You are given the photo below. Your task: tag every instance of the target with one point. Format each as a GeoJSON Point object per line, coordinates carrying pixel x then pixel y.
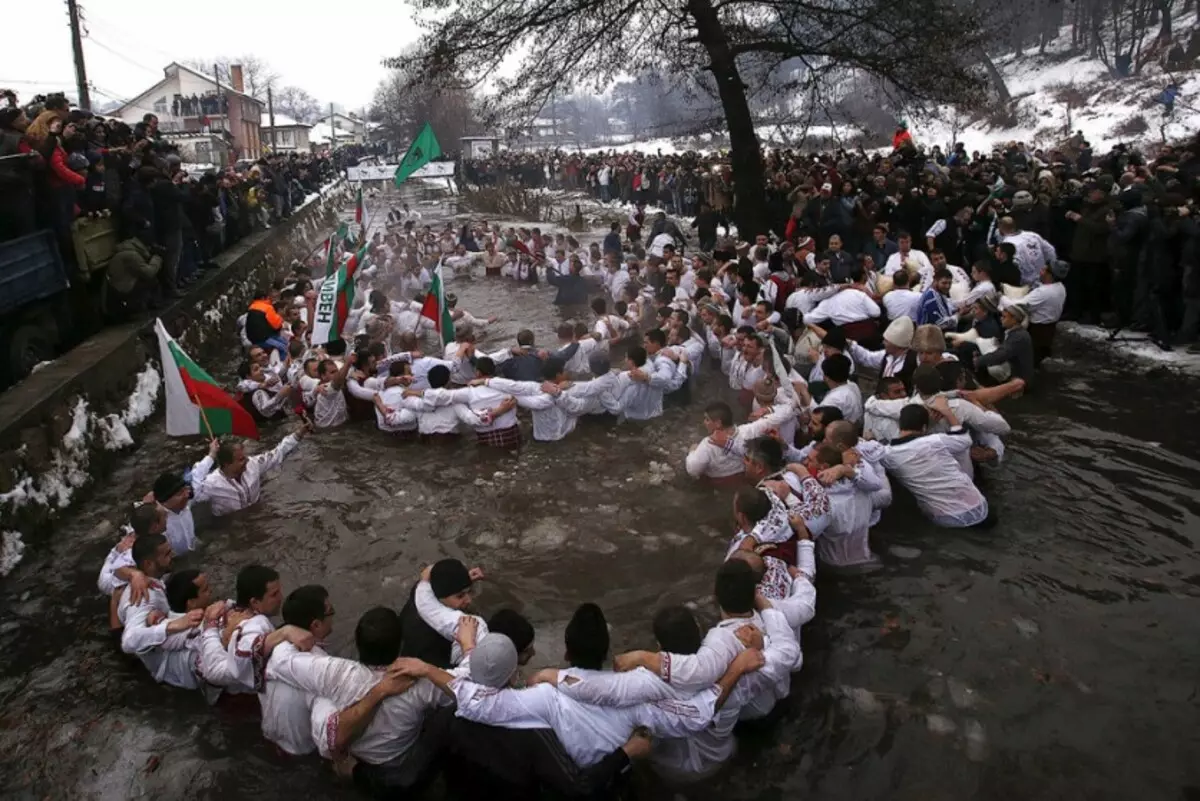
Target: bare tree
{"type": "Point", "coordinates": [257, 74]}
{"type": "Point", "coordinates": [402, 106]}
{"type": "Point", "coordinates": [297, 104]}
{"type": "Point", "coordinates": [921, 49]}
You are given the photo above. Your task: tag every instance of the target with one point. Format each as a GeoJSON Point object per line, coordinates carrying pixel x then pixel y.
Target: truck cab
{"type": "Point", "coordinates": [44, 309]}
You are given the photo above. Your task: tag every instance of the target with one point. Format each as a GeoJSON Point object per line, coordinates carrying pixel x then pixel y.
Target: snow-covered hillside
{"type": "Point", "coordinates": [1046, 89]}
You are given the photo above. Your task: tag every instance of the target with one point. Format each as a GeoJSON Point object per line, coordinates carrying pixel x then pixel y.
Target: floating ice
{"type": "Point", "coordinates": [1027, 628]}
{"type": "Point", "coordinates": [904, 552]}
{"type": "Point", "coordinates": [940, 724]}
{"type": "Point", "coordinates": [977, 745]}
{"type": "Point", "coordinates": [961, 695]}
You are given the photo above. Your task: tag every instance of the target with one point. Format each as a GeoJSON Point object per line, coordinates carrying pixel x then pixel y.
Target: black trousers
{"type": "Point", "coordinates": [409, 775]}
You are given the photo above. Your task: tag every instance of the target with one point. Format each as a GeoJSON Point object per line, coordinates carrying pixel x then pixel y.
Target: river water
{"type": "Point", "coordinates": [1056, 656]}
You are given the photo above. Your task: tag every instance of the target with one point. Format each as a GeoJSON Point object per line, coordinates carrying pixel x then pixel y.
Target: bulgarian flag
{"type": "Point", "coordinates": [335, 299]}
{"type": "Point", "coordinates": [196, 404]}
{"type": "Point", "coordinates": [330, 258]}
{"type": "Point", "coordinates": [435, 306]}
{"type": "Point", "coordinates": [358, 206]}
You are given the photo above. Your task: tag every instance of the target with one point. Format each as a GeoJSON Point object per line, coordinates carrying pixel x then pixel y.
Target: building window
{"type": "Point", "coordinates": [203, 152]}
{"type": "Point", "coordinates": [160, 105]}
{"type": "Point", "coordinates": [285, 139]}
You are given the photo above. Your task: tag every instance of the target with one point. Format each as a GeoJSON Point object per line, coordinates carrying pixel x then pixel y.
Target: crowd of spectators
{"type": "Point", "coordinates": [59, 165]}
{"type": "Point", "coordinates": [1124, 219]}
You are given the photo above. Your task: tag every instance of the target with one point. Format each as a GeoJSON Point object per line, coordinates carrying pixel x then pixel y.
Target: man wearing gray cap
{"type": "Point", "coordinates": [588, 733]}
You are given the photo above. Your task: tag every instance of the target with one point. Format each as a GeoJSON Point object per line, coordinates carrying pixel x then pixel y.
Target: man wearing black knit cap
{"type": "Point", "coordinates": [174, 495]}
{"type": "Point", "coordinates": [451, 583]}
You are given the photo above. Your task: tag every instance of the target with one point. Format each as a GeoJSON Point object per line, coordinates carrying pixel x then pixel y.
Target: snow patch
{"type": "Point", "coordinates": [1136, 346]}
{"type": "Point", "coordinates": [145, 396]}
{"type": "Point", "coordinates": [11, 550]}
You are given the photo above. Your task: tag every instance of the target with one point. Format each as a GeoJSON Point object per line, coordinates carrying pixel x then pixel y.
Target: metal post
{"type": "Point", "coordinates": [81, 84]}
{"type": "Point", "coordinates": [332, 131]}
{"type": "Point", "coordinates": [271, 116]}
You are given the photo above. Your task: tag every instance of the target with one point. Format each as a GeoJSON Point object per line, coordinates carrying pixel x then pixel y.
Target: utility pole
{"type": "Point", "coordinates": [81, 82]}
{"type": "Point", "coordinates": [332, 131]}
{"type": "Point", "coordinates": [271, 116]}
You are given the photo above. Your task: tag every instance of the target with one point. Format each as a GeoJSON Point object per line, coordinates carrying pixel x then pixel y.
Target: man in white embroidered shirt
{"type": "Point", "coordinates": [287, 710]}
{"type": "Point", "coordinates": [237, 481]}
{"type": "Point", "coordinates": [151, 633]}
{"type": "Point", "coordinates": [588, 733]}
{"type": "Point", "coordinates": [356, 711]}
{"type": "Point", "coordinates": [240, 666]}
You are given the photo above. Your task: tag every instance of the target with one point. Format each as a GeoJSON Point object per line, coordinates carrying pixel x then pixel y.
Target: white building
{"type": "Point", "coordinates": [288, 135]}
{"type": "Point", "coordinates": [188, 101]}
{"type": "Point", "coordinates": [349, 128]}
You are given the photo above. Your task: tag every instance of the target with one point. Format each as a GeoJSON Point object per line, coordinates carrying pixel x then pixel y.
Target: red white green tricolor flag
{"type": "Point", "coordinates": [335, 299]}
{"type": "Point", "coordinates": [358, 206]}
{"type": "Point", "coordinates": [435, 306]}
{"type": "Point", "coordinates": [331, 249]}
{"type": "Point", "coordinates": [196, 404]}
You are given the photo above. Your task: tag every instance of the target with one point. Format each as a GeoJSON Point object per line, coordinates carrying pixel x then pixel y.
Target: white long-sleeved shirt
{"type": "Point", "coordinates": [553, 417]}
{"type": "Point", "coordinates": [846, 540]}
{"type": "Point", "coordinates": [1033, 253]}
{"type": "Point", "coordinates": [902, 302]}
{"type": "Point", "coordinates": [642, 400]}
{"type": "Point", "coordinates": [969, 415]}
{"type": "Point", "coordinates": [1045, 302]}
{"type": "Point", "coordinates": [329, 406]}
{"type": "Point", "coordinates": [444, 620]}
{"type": "Point", "coordinates": [848, 398]}
{"type": "Point", "coordinates": [337, 683]}
{"type": "Point", "coordinates": [847, 306]}
{"type": "Point", "coordinates": [477, 399]}
{"type": "Point", "coordinates": [286, 709]}
{"type": "Point", "coordinates": [704, 750]}
{"type": "Point", "coordinates": [587, 733]}
{"type": "Point", "coordinates": [226, 495]}
{"type": "Point", "coordinates": [601, 395]}
{"type": "Point", "coordinates": [240, 666]}
{"type": "Point", "coordinates": [421, 368]}
{"type": "Point", "coordinates": [443, 418]}
{"type": "Point", "coordinates": [578, 363]}
{"type": "Point", "coordinates": [924, 266]}
{"type": "Point", "coordinates": [710, 459]}
{"type": "Point", "coordinates": [170, 658]}
{"type": "Point", "coordinates": [927, 466]}
{"type": "Point", "coordinates": [808, 298]}
{"type": "Point", "coordinates": [880, 360]}
{"type": "Point", "coordinates": [981, 290]}
{"type": "Point", "coordinates": [401, 417]}
{"type": "Point", "coordinates": [463, 372]}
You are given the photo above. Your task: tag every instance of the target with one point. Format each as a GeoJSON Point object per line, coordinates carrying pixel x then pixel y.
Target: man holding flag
{"type": "Point", "coordinates": [196, 404]}
{"type": "Point", "coordinates": [335, 298]}
{"type": "Point", "coordinates": [435, 307]}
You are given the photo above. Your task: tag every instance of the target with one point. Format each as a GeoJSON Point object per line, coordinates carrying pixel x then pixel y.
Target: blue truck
{"type": "Point", "coordinates": [44, 309]}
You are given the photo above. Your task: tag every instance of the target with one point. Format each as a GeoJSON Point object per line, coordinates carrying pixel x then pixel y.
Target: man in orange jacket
{"type": "Point", "coordinates": [263, 323]}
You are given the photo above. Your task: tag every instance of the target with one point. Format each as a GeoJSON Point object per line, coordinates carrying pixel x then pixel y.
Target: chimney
{"type": "Point", "coordinates": [235, 77]}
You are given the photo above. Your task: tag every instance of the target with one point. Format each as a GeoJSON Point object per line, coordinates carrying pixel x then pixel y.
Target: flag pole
{"type": "Point", "coordinates": [203, 416]}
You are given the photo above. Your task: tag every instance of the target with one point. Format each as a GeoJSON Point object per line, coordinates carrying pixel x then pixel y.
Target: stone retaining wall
{"type": "Point", "coordinates": [67, 423]}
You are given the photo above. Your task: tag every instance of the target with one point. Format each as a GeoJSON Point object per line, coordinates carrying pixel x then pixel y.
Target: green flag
{"type": "Point", "coordinates": [423, 150]}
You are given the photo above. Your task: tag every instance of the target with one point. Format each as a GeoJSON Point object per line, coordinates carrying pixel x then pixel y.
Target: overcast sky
{"type": "Point", "coordinates": [332, 50]}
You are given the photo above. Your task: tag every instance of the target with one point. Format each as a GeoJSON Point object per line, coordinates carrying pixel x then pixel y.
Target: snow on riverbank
{"type": "Point", "coordinates": [11, 551]}
{"type": "Point", "coordinates": [1137, 347]}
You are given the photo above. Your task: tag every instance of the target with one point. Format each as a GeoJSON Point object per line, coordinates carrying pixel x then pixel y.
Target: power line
{"type": "Point", "coordinates": [123, 57]}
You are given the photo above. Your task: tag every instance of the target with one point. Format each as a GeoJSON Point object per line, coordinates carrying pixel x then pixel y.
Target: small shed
{"type": "Point", "coordinates": [479, 147]}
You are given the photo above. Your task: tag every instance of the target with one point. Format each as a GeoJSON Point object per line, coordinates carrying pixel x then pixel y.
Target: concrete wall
{"type": "Point", "coordinates": [66, 424]}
